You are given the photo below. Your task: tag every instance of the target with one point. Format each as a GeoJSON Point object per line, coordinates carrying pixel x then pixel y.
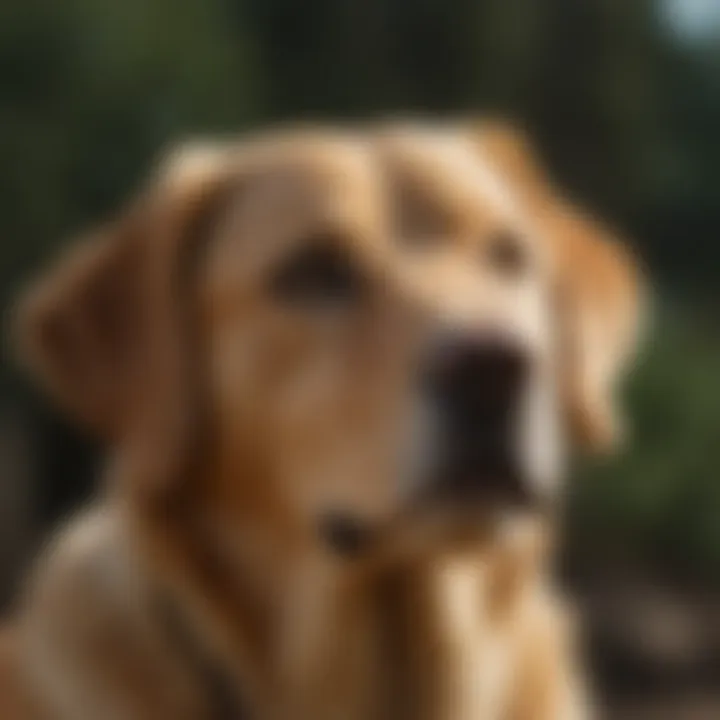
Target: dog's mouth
{"type": "Point", "coordinates": [474, 390]}
{"type": "Point", "coordinates": [477, 461]}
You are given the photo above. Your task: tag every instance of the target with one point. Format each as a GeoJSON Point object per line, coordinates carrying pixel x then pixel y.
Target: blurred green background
{"type": "Point", "coordinates": [622, 96]}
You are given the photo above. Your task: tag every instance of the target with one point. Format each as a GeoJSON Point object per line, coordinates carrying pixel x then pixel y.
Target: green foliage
{"type": "Point", "coordinates": [659, 502]}
{"type": "Point", "coordinates": [91, 90]}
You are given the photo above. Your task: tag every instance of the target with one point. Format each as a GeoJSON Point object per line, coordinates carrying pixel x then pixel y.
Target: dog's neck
{"type": "Point", "coordinates": [303, 635]}
{"type": "Point", "coordinates": [423, 638]}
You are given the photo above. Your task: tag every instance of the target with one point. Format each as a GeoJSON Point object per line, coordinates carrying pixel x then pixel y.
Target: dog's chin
{"type": "Point", "coordinates": [454, 510]}
{"type": "Point", "coordinates": [464, 505]}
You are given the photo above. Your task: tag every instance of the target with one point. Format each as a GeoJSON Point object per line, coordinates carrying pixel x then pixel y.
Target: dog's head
{"type": "Point", "coordinates": [325, 327]}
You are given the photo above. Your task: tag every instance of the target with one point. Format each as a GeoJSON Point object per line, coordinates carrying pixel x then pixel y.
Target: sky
{"type": "Point", "coordinates": [695, 19]}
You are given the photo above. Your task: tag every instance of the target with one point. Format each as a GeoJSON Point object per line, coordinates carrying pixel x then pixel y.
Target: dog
{"type": "Point", "coordinates": [338, 373]}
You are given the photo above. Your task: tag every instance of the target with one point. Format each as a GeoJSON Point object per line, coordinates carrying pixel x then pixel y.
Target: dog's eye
{"type": "Point", "coordinates": [507, 254]}
{"type": "Point", "coordinates": [319, 274]}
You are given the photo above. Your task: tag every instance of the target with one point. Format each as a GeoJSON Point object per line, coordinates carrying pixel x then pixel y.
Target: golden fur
{"type": "Point", "coordinates": [232, 423]}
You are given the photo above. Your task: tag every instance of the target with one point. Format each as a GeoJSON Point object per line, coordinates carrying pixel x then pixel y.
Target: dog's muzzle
{"type": "Point", "coordinates": [475, 385]}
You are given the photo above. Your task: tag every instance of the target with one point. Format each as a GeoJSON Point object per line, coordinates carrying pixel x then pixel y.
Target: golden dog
{"type": "Point", "coordinates": [337, 373]}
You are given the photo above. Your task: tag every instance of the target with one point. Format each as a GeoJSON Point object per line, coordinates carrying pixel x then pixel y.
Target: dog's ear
{"type": "Point", "coordinates": [601, 304]}
{"type": "Point", "coordinates": [104, 331]}
{"type": "Point", "coordinates": [77, 326]}
{"type": "Point", "coordinates": [599, 287]}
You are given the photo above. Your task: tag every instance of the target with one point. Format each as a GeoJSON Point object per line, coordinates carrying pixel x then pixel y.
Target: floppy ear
{"type": "Point", "coordinates": [599, 289]}
{"type": "Point", "coordinates": [601, 306]}
{"type": "Point", "coordinates": [105, 332]}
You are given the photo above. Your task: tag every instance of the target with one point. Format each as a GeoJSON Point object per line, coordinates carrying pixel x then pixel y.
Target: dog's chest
{"type": "Point", "coordinates": [447, 652]}
{"type": "Point", "coordinates": [433, 640]}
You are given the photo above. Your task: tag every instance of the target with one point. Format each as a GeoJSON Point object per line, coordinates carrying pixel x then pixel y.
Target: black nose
{"type": "Point", "coordinates": [475, 383]}
{"type": "Point", "coordinates": [477, 378]}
